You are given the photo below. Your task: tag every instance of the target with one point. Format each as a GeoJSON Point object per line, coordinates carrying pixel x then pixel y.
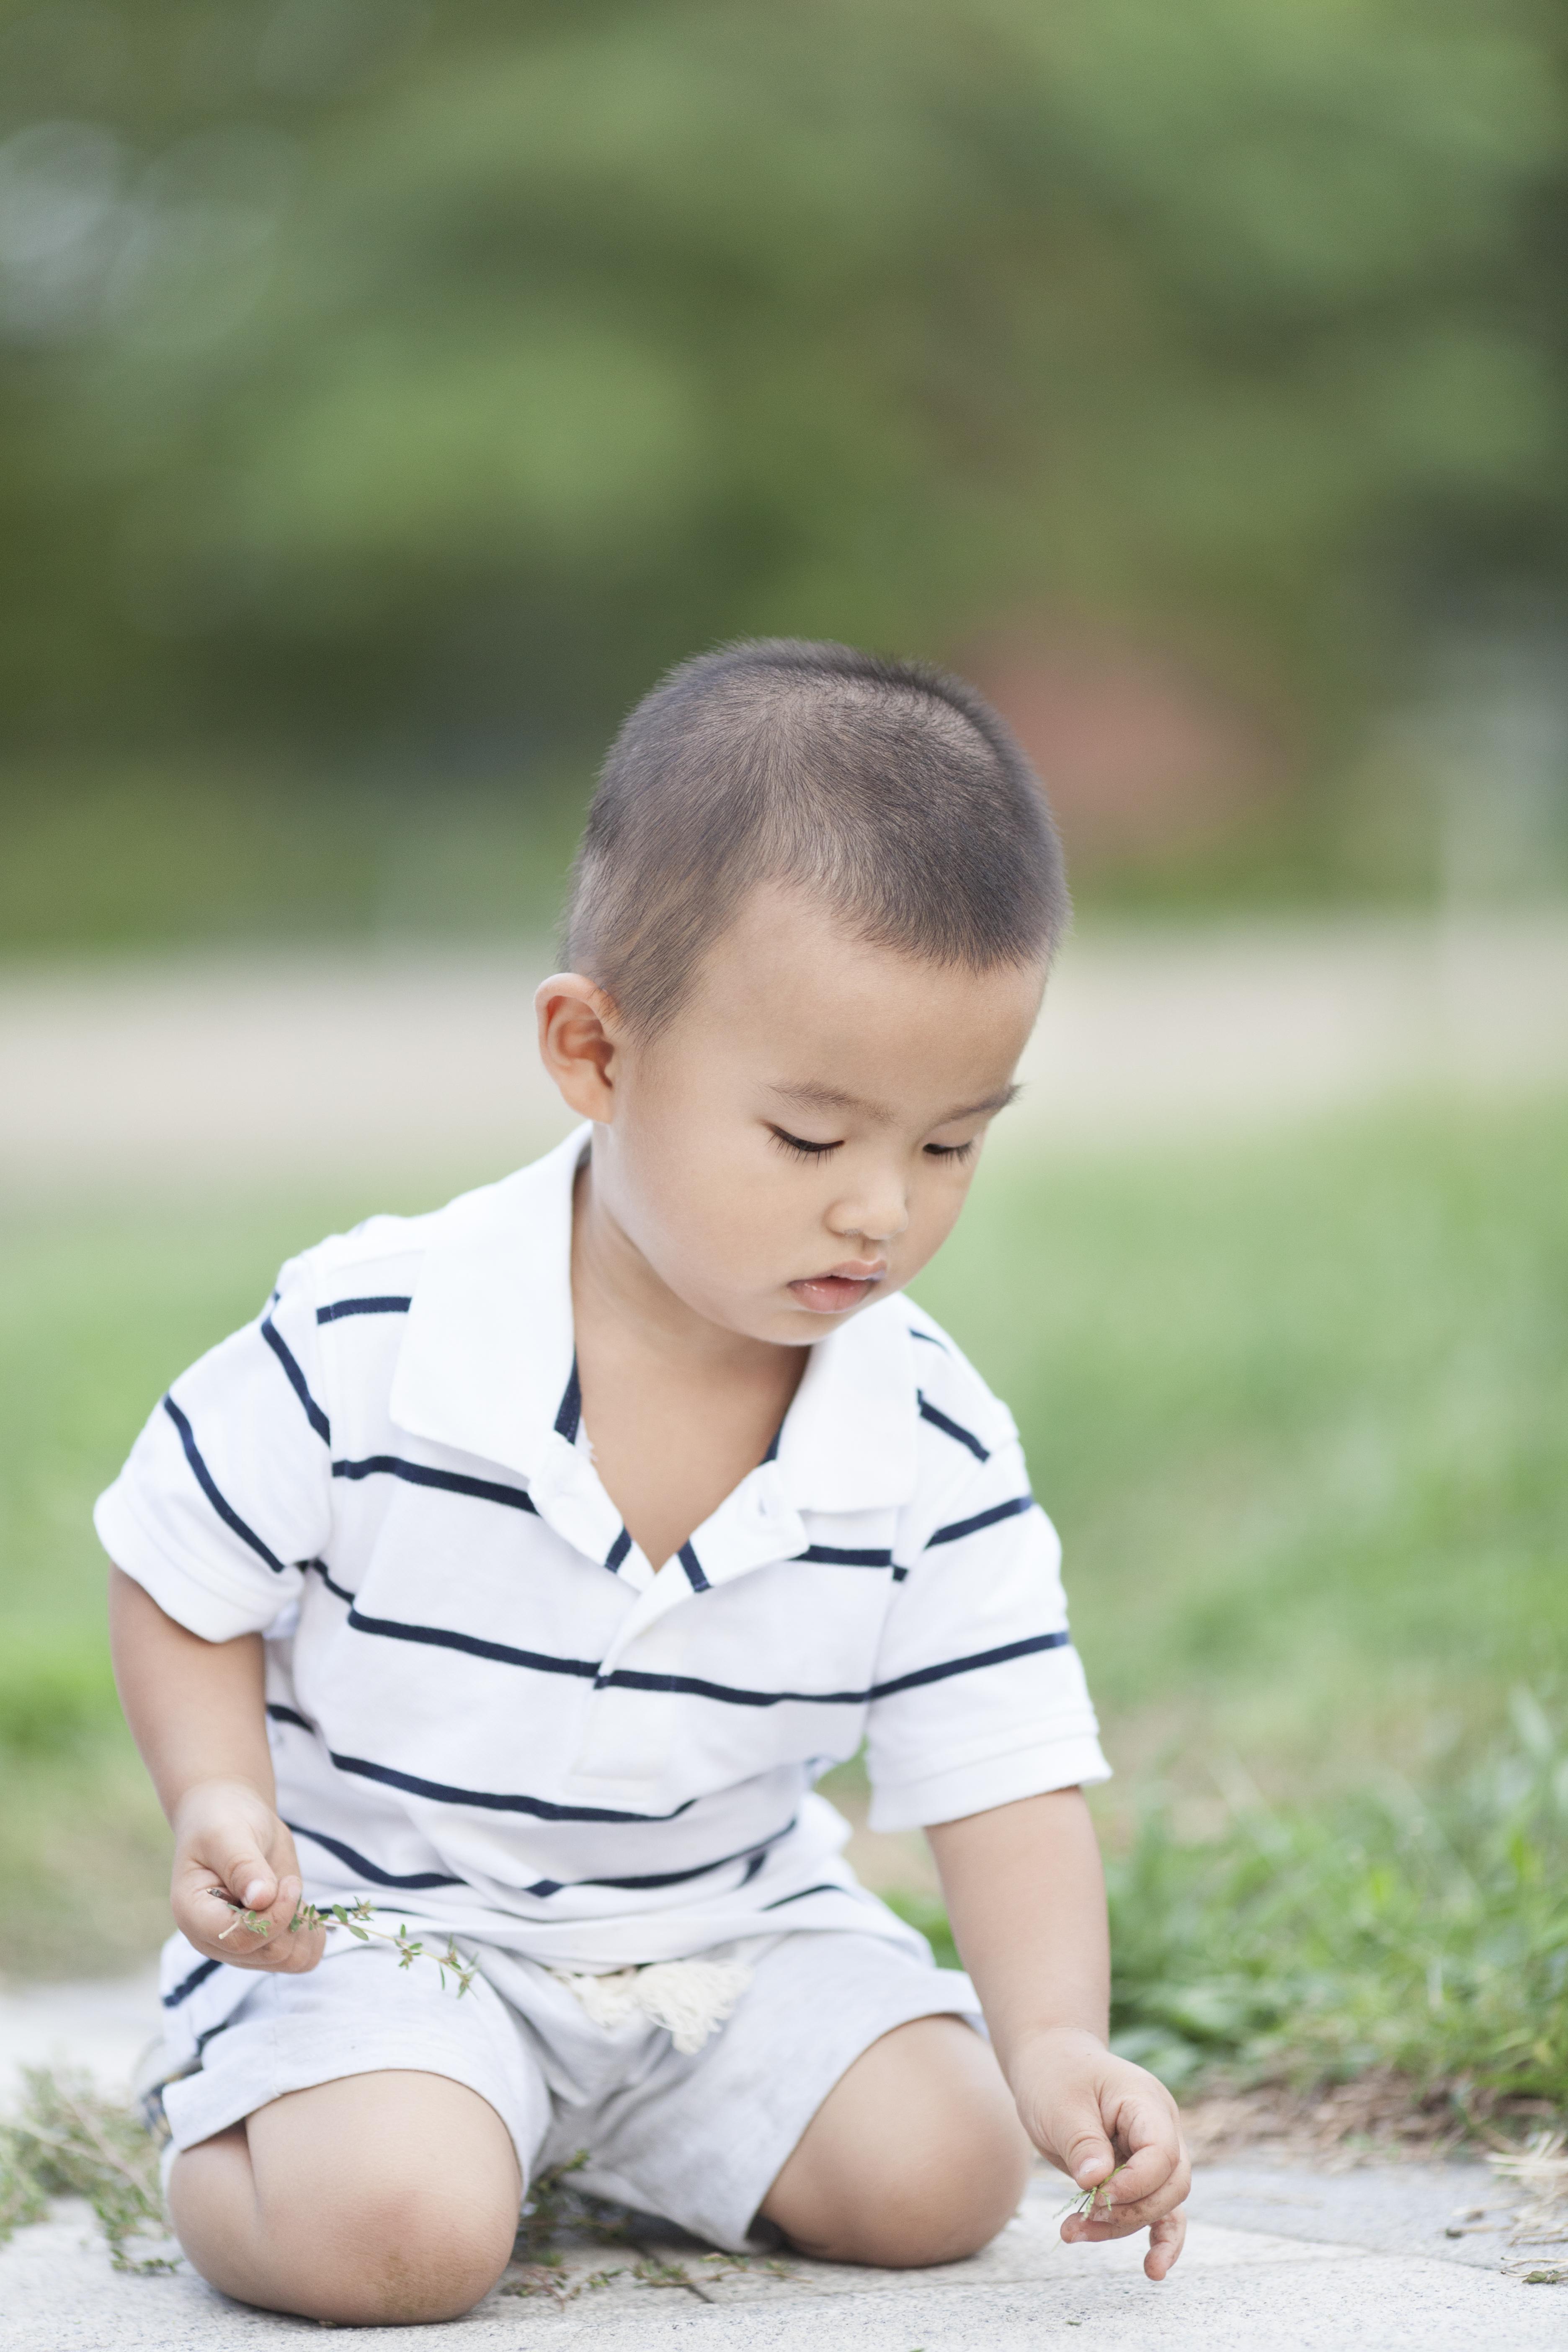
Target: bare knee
{"type": "Point", "coordinates": [914, 2211]}
{"type": "Point", "coordinates": [372, 2199]}
{"type": "Point", "coordinates": [379, 2249]}
{"type": "Point", "coordinates": [918, 2157]}
{"type": "Point", "coordinates": [924, 2221]}
{"type": "Point", "coordinates": [395, 2250]}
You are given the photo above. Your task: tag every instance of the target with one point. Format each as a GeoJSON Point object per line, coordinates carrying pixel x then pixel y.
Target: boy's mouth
{"type": "Point", "coordinates": [845, 1286]}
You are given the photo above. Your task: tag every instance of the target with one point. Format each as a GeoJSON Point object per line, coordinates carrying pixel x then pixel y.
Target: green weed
{"type": "Point", "coordinates": [559, 2212]}
{"type": "Point", "coordinates": [1085, 2203]}
{"type": "Point", "coordinates": [1422, 1932]}
{"type": "Point", "coordinates": [358, 1918]}
{"type": "Point", "coordinates": [67, 2141]}
{"type": "Point", "coordinates": [546, 2275]}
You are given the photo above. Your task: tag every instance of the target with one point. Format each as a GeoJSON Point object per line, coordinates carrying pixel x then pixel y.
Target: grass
{"type": "Point", "coordinates": [1298, 1408]}
{"type": "Point", "coordinates": [69, 2141]}
{"type": "Point", "coordinates": [1420, 1933]}
{"type": "Point", "coordinates": [98, 1311]}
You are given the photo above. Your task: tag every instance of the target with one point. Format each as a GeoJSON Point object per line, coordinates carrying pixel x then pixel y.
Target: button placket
{"type": "Point", "coordinates": [754, 1526]}
{"type": "Point", "coordinates": [570, 1498]}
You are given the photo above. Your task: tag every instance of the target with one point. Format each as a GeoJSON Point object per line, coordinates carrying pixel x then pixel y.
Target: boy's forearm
{"type": "Point", "coordinates": [196, 1709]}
{"type": "Point", "coordinates": [1025, 1895]}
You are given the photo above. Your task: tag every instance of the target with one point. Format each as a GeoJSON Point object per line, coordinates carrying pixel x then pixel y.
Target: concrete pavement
{"type": "Point", "coordinates": [1261, 2288]}
{"type": "Point", "coordinates": [1279, 2259]}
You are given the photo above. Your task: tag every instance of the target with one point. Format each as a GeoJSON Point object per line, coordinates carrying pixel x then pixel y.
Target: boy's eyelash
{"type": "Point", "coordinates": [799, 1147]}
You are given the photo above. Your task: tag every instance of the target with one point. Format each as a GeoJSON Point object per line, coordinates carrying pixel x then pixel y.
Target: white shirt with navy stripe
{"type": "Point", "coordinates": [489, 1712]}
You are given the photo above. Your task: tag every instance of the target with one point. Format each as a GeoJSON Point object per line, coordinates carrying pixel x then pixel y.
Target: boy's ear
{"type": "Point", "coordinates": [579, 1042]}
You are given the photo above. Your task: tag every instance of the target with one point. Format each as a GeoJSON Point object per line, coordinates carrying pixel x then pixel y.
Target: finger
{"type": "Point", "coordinates": [1155, 2153]}
{"type": "Point", "coordinates": [211, 1917]}
{"type": "Point", "coordinates": [277, 1955]}
{"type": "Point", "coordinates": [1086, 2152]}
{"type": "Point", "coordinates": [1166, 2242]}
{"type": "Point", "coordinates": [210, 1923]}
{"type": "Point", "coordinates": [297, 1948]}
{"type": "Point", "coordinates": [235, 1858]}
{"type": "Point", "coordinates": [279, 1919]}
{"type": "Point", "coordinates": [1114, 2216]}
{"type": "Point", "coordinates": [285, 1905]}
{"type": "Point", "coordinates": [241, 1934]}
{"type": "Point", "coordinates": [1143, 2174]}
{"type": "Point", "coordinates": [204, 1906]}
{"type": "Point", "coordinates": [300, 1955]}
{"type": "Point", "coordinates": [1112, 2201]}
{"type": "Point", "coordinates": [1079, 2228]}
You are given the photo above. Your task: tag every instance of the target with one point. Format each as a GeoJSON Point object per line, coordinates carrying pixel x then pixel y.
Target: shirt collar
{"type": "Point", "coordinates": [488, 1357]}
{"type": "Point", "coordinates": [848, 1440]}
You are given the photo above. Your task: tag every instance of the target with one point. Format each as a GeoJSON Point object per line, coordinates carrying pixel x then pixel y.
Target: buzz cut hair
{"type": "Point", "coordinates": [887, 790]}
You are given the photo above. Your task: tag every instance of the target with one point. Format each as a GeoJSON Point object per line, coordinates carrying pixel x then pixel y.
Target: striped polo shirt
{"type": "Point", "coordinates": [489, 1712]}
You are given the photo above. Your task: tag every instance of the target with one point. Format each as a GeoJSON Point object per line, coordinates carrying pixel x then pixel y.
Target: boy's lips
{"type": "Point", "coordinates": [845, 1286]}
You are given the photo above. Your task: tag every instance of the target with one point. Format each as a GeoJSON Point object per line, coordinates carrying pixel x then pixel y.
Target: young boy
{"type": "Point", "coordinates": [523, 1565]}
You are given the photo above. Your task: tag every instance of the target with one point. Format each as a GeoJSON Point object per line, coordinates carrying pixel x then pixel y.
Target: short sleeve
{"type": "Point", "coordinates": [228, 1491]}
{"type": "Point", "coordinates": [980, 1697]}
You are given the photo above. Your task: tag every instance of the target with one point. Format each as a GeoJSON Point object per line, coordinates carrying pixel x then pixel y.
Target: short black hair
{"type": "Point", "coordinates": [888, 788]}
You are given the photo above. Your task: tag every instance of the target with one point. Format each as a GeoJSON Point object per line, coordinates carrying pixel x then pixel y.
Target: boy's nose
{"type": "Point", "coordinates": [872, 1220]}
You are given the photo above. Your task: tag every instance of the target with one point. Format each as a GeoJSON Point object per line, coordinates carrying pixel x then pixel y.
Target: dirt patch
{"type": "Point", "coordinates": [1381, 2117]}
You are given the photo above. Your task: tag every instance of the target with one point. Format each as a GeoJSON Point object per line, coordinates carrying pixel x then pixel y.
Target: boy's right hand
{"type": "Point", "coordinates": [229, 1842]}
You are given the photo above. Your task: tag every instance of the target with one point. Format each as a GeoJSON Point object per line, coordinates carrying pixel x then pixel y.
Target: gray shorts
{"type": "Point", "coordinates": [697, 2139]}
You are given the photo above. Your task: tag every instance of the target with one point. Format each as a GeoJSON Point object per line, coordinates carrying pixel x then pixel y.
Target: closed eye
{"type": "Point", "coordinates": [798, 1145]}
{"type": "Point", "coordinates": [958, 1152]}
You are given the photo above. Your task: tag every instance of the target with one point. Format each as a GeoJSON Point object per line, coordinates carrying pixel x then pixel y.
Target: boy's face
{"type": "Point", "coordinates": [800, 1140]}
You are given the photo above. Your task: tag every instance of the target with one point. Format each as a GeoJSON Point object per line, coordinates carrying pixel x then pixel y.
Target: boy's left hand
{"type": "Point", "coordinates": [1092, 2114]}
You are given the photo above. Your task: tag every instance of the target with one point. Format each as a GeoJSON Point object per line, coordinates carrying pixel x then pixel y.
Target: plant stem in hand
{"type": "Point", "coordinates": [356, 1918]}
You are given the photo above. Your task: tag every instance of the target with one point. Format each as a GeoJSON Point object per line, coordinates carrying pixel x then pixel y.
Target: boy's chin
{"type": "Point", "coordinates": [781, 1317]}
{"type": "Point", "coordinates": [799, 1321]}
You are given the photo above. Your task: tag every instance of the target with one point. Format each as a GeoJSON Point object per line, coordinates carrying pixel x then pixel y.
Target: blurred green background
{"type": "Point", "coordinates": [388, 393]}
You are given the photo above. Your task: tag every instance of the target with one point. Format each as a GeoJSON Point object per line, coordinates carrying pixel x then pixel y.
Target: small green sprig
{"type": "Point", "coordinates": [654, 2270]}
{"type": "Point", "coordinates": [547, 2275]}
{"type": "Point", "coordinates": [1086, 2199]}
{"type": "Point", "coordinates": [556, 2207]}
{"type": "Point", "coordinates": [356, 1918]}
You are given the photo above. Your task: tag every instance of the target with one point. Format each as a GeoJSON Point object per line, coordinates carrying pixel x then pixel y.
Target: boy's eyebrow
{"type": "Point", "coordinates": [816, 1097]}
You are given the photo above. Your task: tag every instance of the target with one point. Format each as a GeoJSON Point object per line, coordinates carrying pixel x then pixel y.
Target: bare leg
{"type": "Point", "coordinates": [378, 2197]}
{"type": "Point", "coordinates": [915, 2155]}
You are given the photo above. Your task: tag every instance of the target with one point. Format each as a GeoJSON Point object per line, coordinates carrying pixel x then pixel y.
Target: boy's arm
{"type": "Point", "coordinates": [196, 1710]}
{"type": "Point", "coordinates": [1027, 1897]}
